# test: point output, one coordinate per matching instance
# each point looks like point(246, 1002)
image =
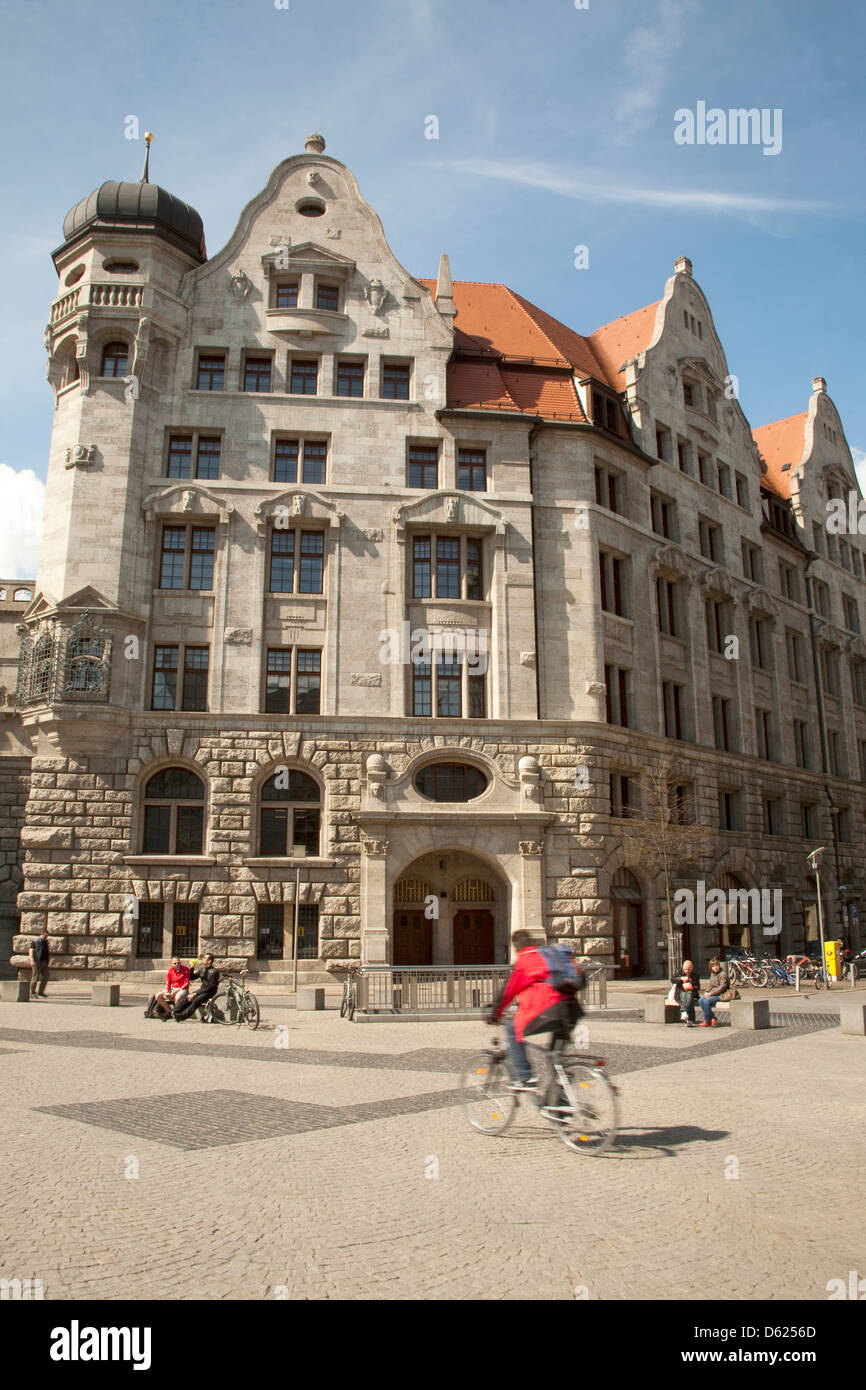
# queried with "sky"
point(554, 128)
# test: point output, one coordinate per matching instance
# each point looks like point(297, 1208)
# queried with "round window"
point(121, 267)
point(311, 207)
point(74, 275)
point(450, 782)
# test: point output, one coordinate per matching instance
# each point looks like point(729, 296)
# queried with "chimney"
point(818, 383)
point(444, 291)
point(682, 266)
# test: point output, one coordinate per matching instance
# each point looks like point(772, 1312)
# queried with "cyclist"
point(540, 1008)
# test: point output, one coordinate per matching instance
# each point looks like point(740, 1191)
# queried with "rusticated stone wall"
point(14, 782)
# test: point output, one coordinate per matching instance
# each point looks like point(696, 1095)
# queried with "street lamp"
point(815, 861)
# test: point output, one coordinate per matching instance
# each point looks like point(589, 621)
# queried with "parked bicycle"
point(746, 971)
point(235, 1005)
point(574, 1095)
point(349, 1001)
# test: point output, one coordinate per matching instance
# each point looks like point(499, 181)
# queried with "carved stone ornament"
point(730, 419)
point(238, 636)
point(376, 295)
point(375, 534)
point(369, 678)
point(377, 333)
point(240, 285)
point(596, 688)
point(527, 658)
point(671, 379)
point(529, 848)
point(313, 177)
point(333, 233)
point(80, 454)
point(452, 505)
point(375, 847)
point(299, 502)
point(188, 501)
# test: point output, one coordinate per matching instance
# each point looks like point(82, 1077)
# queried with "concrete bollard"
point(15, 991)
point(106, 995)
point(658, 1010)
point(750, 1013)
point(310, 997)
point(853, 1016)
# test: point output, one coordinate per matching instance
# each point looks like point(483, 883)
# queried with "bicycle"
point(237, 1005)
point(349, 1001)
point(577, 1097)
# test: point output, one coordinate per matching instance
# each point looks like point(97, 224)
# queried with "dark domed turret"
point(137, 207)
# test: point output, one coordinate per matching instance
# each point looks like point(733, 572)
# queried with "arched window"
point(115, 357)
point(87, 661)
point(450, 782)
point(291, 828)
point(174, 813)
point(411, 890)
point(20, 595)
point(473, 890)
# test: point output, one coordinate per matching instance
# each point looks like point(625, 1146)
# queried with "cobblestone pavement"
point(341, 1166)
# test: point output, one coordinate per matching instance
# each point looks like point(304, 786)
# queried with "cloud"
point(650, 54)
point(22, 497)
point(585, 189)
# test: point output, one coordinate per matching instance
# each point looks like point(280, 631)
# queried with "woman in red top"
point(174, 995)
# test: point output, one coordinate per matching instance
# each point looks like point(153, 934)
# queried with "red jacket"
point(528, 980)
point(177, 979)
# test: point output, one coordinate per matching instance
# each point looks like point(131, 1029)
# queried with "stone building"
point(15, 597)
point(399, 597)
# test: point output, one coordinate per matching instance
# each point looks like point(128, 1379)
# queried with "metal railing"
point(449, 988)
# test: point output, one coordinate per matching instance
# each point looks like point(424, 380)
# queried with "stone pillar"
point(375, 936)
point(531, 900)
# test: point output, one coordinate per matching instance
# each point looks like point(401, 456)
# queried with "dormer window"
point(604, 412)
point(115, 360)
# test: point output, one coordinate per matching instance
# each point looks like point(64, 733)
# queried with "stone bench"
point(15, 991)
point(310, 997)
point(853, 1016)
point(105, 995)
point(656, 1009)
point(750, 1013)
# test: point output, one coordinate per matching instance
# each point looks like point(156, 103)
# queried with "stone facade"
point(15, 597)
point(579, 454)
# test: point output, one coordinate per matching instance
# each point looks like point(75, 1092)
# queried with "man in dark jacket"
point(209, 979)
point(540, 1008)
point(40, 955)
point(687, 988)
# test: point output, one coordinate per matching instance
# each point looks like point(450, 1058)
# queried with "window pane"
point(114, 360)
point(306, 830)
point(282, 562)
point(208, 462)
point(211, 373)
point(157, 828)
point(448, 689)
point(477, 698)
point(304, 378)
point(279, 682)
point(257, 374)
point(150, 917)
point(174, 784)
point(287, 296)
point(201, 562)
point(312, 562)
point(472, 470)
point(395, 383)
point(309, 682)
point(270, 931)
point(350, 379)
point(190, 830)
point(447, 568)
point(474, 588)
point(315, 453)
point(195, 678)
point(308, 931)
point(286, 461)
point(275, 820)
point(173, 555)
point(180, 456)
point(421, 567)
point(327, 297)
point(164, 678)
point(423, 467)
point(422, 689)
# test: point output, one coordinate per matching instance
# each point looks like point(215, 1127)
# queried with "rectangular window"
point(730, 810)
point(201, 558)
point(843, 824)
point(310, 570)
point(663, 443)
point(395, 382)
point(150, 928)
point(173, 565)
point(180, 456)
point(327, 296)
point(796, 658)
point(858, 681)
point(830, 670)
point(667, 606)
point(304, 378)
point(447, 568)
point(774, 816)
point(184, 936)
point(309, 682)
point(710, 536)
point(764, 733)
point(421, 568)
point(208, 459)
point(822, 598)
point(801, 743)
point(809, 820)
point(609, 489)
point(681, 803)
point(851, 613)
point(350, 378)
point(616, 687)
point(286, 460)
point(688, 394)
point(211, 371)
point(673, 711)
point(181, 544)
point(715, 612)
point(312, 562)
point(610, 569)
point(725, 480)
point(861, 753)
point(195, 669)
point(684, 457)
point(422, 688)
point(752, 562)
point(474, 576)
point(278, 687)
point(723, 727)
point(759, 642)
point(274, 830)
point(308, 929)
point(423, 466)
point(282, 562)
point(164, 692)
point(663, 516)
point(287, 295)
point(789, 582)
point(315, 456)
point(477, 687)
point(818, 538)
point(742, 491)
point(257, 374)
point(472, 470)
point(705, 470)
point(269, 934)
point(448, 682)
point(622, 797)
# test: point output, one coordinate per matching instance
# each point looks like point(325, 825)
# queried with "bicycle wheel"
point(344, 1002)
point(819, 980)
point(488, 1104)
point(250, 1014)
point(762, 978)
point(587, 1115)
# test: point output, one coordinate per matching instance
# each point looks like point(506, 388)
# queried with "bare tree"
point(664, 836)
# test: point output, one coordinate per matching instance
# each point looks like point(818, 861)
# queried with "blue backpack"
point(563, 972)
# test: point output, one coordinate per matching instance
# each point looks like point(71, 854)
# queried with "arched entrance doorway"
point(732, 931)
point(629, 950)
point(449, 908)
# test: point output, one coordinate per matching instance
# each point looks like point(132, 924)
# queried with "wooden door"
point(628, 943)
point(473, 938)
point(413, 938)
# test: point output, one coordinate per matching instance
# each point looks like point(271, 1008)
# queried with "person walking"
point(40, 955)
point(719, 983)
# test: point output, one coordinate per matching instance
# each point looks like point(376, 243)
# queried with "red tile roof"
point(781, 443)
point(511, 355)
